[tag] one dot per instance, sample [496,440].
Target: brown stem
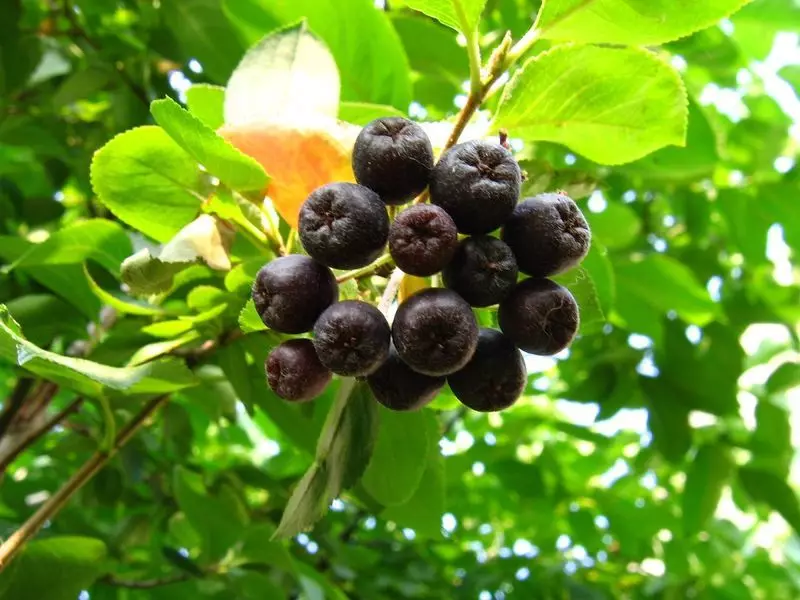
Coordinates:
[145,584]
[34,434]
[58,500]
[14,403]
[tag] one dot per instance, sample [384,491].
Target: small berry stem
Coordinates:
[389,294]
[368,270]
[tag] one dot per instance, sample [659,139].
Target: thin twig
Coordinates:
[58,500]
[363,271]
[14,403]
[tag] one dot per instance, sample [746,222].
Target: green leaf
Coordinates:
[348,436]
[219,519]
[361,113]
[579,282]
[100,240]
[204,33]
[43,317]
[784,378]
[122,305]
[708,474]
[612,105]
[249,321]
[766,487]
[206,102]
[636,22]
[771,442]
[373,68]
[400,456]
[142,173]
[667,419]
[293,61]
[206,239]
[85,376]
[446,11]
[423,511]
[233,362]
[56,568]
[233,168]
[665,284]
[307,505]
[618,226]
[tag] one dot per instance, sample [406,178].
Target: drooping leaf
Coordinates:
[447,12]
[612,105]
[122,305]
[636,22]
[400,456]
[146,158]
[665,284]
[233,168]
[784,378]
[205,239]
[85,376]
[57,568]
[307,505]
[707,476]
[767,488]
[206,102]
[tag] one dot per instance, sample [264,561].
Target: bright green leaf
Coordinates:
[56,568]
[447,11]
[618,226]
[206,102]
[579,282]
[129,306]
[707,476]
[636,22]
[142,173]
[233,168]
[400,456]
[612,105]
[361,113]
[85,376]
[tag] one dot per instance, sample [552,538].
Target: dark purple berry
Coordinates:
[435,332]
[294,371]
[483,270]
[548,234]
[398,387]
[477,183]
[343,225]
[494,377]
[540,316]
[352,338]
[422,240]
[393,157]
[290,292]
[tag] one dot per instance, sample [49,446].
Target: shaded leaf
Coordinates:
[768,488]
[705,479]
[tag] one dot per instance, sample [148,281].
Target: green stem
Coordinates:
[373,266]
[522,46]
[473,47]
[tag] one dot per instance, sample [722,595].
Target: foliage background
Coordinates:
[654,459]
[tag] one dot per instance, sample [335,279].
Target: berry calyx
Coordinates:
[398,387]
[343,225]
[352,338]
[540,316]
[495,376]
[548,234]
[435,332]
[290,292]
[422,240]
[393,157]
[483,270]
[294,371]
[477,183]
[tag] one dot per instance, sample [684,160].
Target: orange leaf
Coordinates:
[298,160]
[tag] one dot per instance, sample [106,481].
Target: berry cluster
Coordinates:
[434,337]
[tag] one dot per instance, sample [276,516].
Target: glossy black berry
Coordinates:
[343,225]
[422,239]
[494,377]
[290,292]
[477,183]
[294,371]
[352,338]
[435,332]
[398,387]
[540,316]
[548,234]
[393,157]
[483,270]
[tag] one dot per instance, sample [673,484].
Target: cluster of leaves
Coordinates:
[643,464]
